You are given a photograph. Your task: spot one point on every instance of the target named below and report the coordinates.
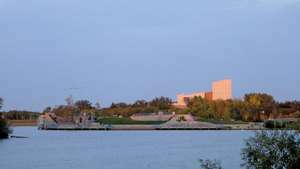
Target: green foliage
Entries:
(140, 103)
(201, 107)
(1, 103)
(218, 121)
(123, 120)
(67, 112)
(294, 126)
(209, 164)
(83, 105)
(21, 115)
(260, 102)
(254, 107)
(272, 149)
(239, 110)
(119, 105)
(139, 106)
(288, 107)
(275, 124)
(4, 130)
(162, 103)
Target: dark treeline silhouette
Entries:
(4, 130)
(20, 115)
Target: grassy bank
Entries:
(217, 121)
(123, 120)
(23, 122)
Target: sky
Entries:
(124, 50)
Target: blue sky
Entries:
(124, 50)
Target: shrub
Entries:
(4, 130)
(271, 124)
(272, 149)
(210, 164)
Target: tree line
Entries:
(253, 107)
(115, 109)
(18, 114)
(4, 130)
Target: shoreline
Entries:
(154, 127)
(16, 123)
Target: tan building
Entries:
(221, 90)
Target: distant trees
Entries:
(254, 107)
(21, 115)
(260, 103)
(219, 109)
(210, 164)
(1, 103)
(97, 105)
(4, 130)
(162, 103)
(119, 105)
(285, 108)
(47, 110)
(140, 103)
(67, 112)
(69, 100)
(201, 108)
(116, 109)
(83, 105)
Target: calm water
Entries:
(120, 149)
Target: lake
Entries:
(120, 149)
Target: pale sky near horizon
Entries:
(124, 50)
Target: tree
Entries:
(119, 105)
(21, 115)
(260, 103)
(140, 103)
(209, 164)
(97, 105)
(66, 112)
(69, 100)
(238, 110)
(273, 150)
(1, 103)
(4, 130)
(162, 103)
(47, 110)
(83, 105)
(199, 107)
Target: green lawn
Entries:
(123, 120)
(217, 121)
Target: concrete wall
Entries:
(152, 117)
